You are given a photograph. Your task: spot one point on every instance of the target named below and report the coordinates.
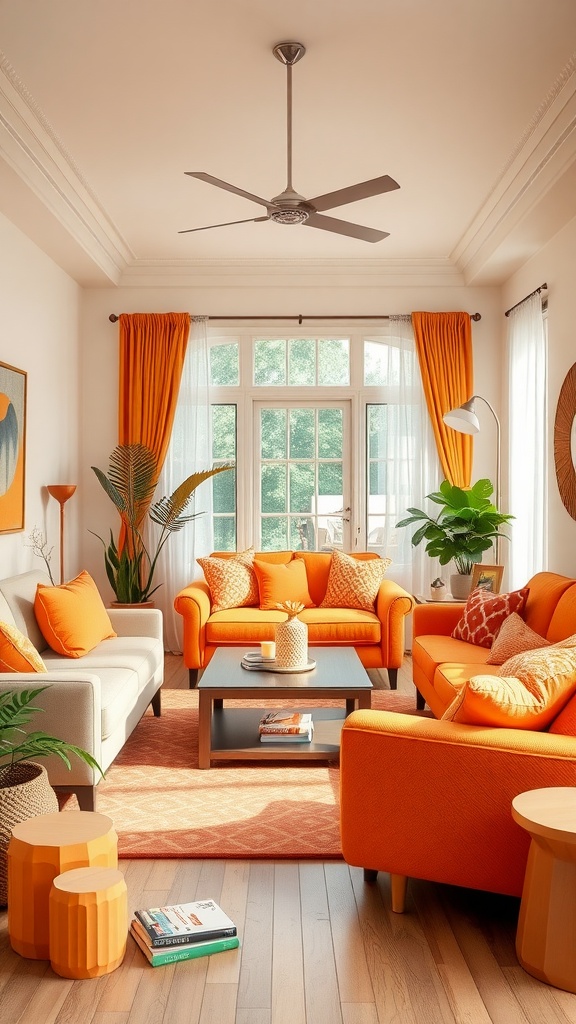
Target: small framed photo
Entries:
(488, 577)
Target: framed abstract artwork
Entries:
(12, 447)
(489, 577)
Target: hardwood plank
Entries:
(539, 1000)
(219, 1005)
(46, 1001)
(288, 999)
(110, 1017)
(151, 997)
(120, 987)
(351, 967)
(320, 980)
(253, 1016)
(359, 1013)
(255, 982)
(224, 968)
(184, 1003)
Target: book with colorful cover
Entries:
(285, 722)
(185, 923)
(286, 737)
(187, 951)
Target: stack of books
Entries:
(183, 931)
(286, 727)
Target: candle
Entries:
(268, 649)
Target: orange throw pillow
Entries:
(354, 582)
(232, 581)
(72, 617)
(528, 695)
(279, 583)
(484, 614)
(514, 637)
(17, 652)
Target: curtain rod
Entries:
(542, 288)
(305, 316)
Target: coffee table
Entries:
(226, 733)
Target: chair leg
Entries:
(398, 885)
(370, 875)
(393, 678)
(192, 677)
(156, 703)
(85, 795)
(420, 702)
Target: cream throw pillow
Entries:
(354, 582)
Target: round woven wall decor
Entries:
(565, 413)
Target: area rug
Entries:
(162, 805)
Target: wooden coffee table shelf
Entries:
(231, 733)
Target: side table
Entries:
(546, 936)
(88, 922)
(41, 848)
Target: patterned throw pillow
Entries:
(529, 692)
(232, 581)
(354, 582)
(484, 614)
(513, 638)
(17, 653)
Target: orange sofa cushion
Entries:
(232, 581)
(354, 583)
(72, 617)
(279, 583)
(484, 614)
(17, 652)
(251, 625)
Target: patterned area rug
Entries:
(162, 805)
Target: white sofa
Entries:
(95, 701)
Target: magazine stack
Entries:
(183, 932)
(286, 727)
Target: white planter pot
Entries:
(460, 586)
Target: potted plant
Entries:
(464, 529)
(24, 787)
(130, 484)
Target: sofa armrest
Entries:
(137, 621)
(436, 619)
(72, 711)
(393, 603)
(193, 604)
(430, 799)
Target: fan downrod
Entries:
(289, 53)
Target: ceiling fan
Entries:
(290, 207)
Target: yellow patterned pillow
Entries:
(232, 581)
(354, 582)
(17, 653)
(514, 637)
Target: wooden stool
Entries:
(41, 848)
(88, 922)
(546, 936)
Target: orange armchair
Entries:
(429, 799)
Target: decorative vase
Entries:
(24, 792)
(460, 586)
(291, 638)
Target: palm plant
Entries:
(130, 485)
(16, 711)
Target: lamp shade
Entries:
(463, 418)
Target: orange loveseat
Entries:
(378, 636)
(431, 799)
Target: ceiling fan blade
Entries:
(226, 224)
(229, 188)
(344, 227)
(365, 189)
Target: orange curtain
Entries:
(444, 347)
(152, 351)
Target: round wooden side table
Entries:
(41, 848)
(546, 936)
(88, 922)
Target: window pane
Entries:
(330, 434)
(224, 365)
(377, 430)
(333, 362)
(387, 364)
(273, 433)
(330, 480)
(270, 361)
(302, 362)
(378, 477)
(302, 486)
(274, 533)
(224, 492)
(302, 536)
(225, 533)
(302, 434)
(273, 489)
(224, 432)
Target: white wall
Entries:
(555, 264)
(99, 413)
(39, 316)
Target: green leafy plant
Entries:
(465, 527)
(130, 485)
(16, 711)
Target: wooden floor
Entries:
(318, 946)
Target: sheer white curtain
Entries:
(527, 440)
(413, 466)
(190, 451)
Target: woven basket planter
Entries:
(24, 793)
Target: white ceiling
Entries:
(469, 104)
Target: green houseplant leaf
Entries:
(465, 527)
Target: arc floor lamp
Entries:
(465, 420)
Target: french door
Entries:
(302, 475)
